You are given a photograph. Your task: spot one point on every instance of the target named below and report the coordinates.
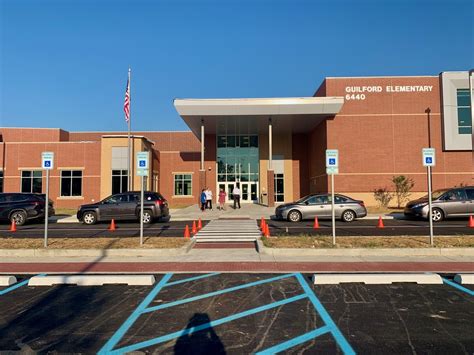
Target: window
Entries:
(31, 181)
(1, 181)
(71, 183)
(279, 188)
(470, 194)
(340, 199)
(318, 200)
(464, 111)
(182, 185)
(119, 181)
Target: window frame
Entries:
(182, 180)
(31, 179)
(71, 177)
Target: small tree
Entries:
(382, 196)
(403, 185)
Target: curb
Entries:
(355, 252)
(92, 252)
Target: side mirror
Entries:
(306, 203)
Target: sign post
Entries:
(142, 170)
(47, 163)
(429, 161)
(332, 168)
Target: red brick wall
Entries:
(31, 134)
(383, 135)
(317, 158)
(27, 156)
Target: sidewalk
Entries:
(448, 260)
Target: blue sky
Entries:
(64, 62)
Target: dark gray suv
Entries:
(125, 206)
(446, 203)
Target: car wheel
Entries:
(89, 217)
(294, 216)
(437, 215)
(147, 217)
(19, 217)
(348, 216)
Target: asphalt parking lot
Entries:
(362, 227)
(238, 313)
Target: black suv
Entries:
(125, 206)
(22, 207)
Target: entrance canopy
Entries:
(295, 114)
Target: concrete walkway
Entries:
(251, 210)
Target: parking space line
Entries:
(459, 287)
(295, 341)
(17, 285)
(191, 279)
(210, 324)
(336, 333)
(215, 293)
(107, 348)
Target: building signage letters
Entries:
(359, 92)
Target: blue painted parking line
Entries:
(458, 286)
(336, 333)
(17, 285)
(191, 279)
(328, 327)
(295, 341)
(216, 293)
(210, 324)
(107, 348)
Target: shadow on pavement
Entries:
(204, 341)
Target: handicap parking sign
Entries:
(47, 159)
(428, 156)
(142, 163)
(332, 161)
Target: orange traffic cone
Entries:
(262, 223)
(13, 227)
(264, 228)
(267, 231)
(194, 230)
(316, 223)
(471, 222)
(112, 225)
(186, 232)
(199, 224)
(380, 224)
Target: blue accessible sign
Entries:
(428, 157)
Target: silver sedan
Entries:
(319, 205)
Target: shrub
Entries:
(383, 197)
(403, 185)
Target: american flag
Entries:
(126, 104)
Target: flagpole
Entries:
(130, 185)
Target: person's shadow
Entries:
(204, 341)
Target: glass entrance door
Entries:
(248, 191)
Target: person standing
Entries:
(222, 196)
(236, 194)
(209, 198)
(203, 200)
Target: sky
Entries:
(64, 63)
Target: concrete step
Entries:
(236, 239)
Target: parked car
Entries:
(319, 205)
(125, 206)
(446, 203)
(23, 207)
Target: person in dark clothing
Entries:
(203, 200)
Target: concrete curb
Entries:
(360, 252)
(91, 252)
(7, 280)
(92, 280)
(376, 279)
(464, 279)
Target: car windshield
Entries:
(436, 194)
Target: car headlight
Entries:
(418, 205)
